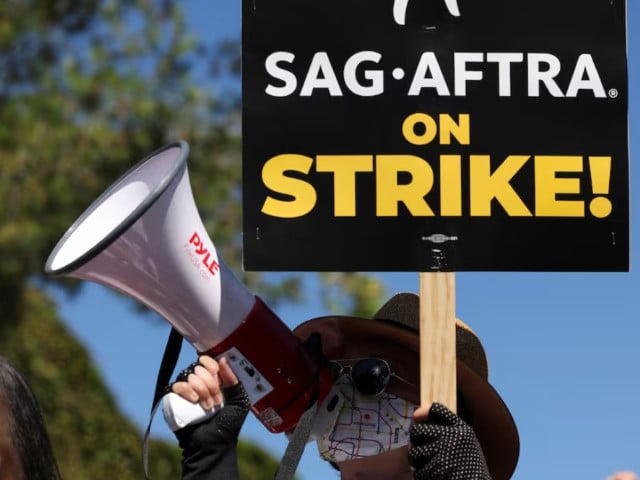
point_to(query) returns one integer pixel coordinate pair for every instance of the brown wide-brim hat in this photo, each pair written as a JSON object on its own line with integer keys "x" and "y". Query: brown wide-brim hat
{"x": 397, "y": 323}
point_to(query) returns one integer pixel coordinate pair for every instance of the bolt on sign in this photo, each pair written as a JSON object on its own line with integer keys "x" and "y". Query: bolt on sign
{"x": 435, "y": 135}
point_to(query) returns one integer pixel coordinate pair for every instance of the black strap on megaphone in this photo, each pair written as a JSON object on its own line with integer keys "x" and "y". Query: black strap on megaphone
{"x": 298, "y": 440}
{"x": 165, "y": 372}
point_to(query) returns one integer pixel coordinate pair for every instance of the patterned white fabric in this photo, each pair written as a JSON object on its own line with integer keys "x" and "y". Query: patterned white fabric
{"x": 366, "y": 425}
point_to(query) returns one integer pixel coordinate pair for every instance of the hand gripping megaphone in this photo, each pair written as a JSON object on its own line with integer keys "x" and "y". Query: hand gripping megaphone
{"x": 144, "y": 237}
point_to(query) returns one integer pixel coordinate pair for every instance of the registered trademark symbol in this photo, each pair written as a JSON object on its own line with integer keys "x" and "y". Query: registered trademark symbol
{"x": 613, "y": 93}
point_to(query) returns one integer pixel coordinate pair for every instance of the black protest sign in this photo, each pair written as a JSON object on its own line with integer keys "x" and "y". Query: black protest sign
{"x": 424, "y": 135}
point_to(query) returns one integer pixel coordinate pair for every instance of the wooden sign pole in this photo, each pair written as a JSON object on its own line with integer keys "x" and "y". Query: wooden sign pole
{"x": 438, "y": 339}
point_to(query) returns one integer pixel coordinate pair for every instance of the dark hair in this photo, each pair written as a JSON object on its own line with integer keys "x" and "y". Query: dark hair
{"x": 26, "y": 426}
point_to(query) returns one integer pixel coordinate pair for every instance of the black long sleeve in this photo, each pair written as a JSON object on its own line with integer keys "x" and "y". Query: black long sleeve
{"x": 209, "y": 449}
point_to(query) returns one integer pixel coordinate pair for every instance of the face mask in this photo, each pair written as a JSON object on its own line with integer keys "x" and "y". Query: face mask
{"x": 364, "y": 425}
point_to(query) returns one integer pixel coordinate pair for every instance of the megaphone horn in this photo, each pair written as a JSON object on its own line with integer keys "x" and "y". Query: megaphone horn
{"x": 144, "y": 237}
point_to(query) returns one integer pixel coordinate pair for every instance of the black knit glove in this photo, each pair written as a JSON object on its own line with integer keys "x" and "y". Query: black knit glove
{"x": 209, "y": 448}
{"x": 446, "y": 448}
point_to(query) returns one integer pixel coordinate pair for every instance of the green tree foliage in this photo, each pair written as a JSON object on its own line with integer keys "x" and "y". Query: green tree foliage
{"x": 91, "y": 439}
{"x": 87, "y": 89}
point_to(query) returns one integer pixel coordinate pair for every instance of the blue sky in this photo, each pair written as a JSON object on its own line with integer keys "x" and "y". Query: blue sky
{"x": 562, "y": 347}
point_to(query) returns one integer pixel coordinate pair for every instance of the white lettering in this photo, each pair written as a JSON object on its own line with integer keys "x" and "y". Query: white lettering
{"x": 320, "y": 75}
{"x": 462, "y": 75}
{"x": 504, "y": 61}
{"x": 542, "y": 72}
{"x": 585, "y": 67}
{"x": 537, "y": 75}
{"x": 375, "y": 77}
{"x": 428, "y": 64}
{"x": 289, "y": 79}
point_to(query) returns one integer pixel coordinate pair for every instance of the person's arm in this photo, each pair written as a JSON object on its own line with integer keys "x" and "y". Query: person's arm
{"x": 209, "y": 448}
{"x": 444, "y": 447}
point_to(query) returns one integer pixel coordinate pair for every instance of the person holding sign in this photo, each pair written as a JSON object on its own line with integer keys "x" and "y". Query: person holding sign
{"x": 371, "y": 425}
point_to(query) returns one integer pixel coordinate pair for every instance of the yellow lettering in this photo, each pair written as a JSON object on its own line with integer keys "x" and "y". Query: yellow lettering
{"x": 344, "y": 168}
{"x": 408, "y": 180}
{"x": 389, "y": 192}
{"x": 450, "y": 186}
{"x": 460, "y": 130}
{"x": 409, "y": 129}
{"x": 303, "y": 194}
{"x": 485, "y": 186}
{"x": 548, "y": 186}
{"x": 600, "y": 206}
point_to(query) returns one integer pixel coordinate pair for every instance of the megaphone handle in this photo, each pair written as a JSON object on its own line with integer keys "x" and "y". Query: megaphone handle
{"x": 179, "y": 412}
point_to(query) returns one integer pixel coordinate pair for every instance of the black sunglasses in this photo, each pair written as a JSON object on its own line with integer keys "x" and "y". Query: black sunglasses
{"x": 370, "y": 376}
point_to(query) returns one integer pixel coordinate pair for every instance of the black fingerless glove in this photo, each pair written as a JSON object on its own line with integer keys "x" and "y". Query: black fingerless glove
{"x": 209, "y": 448}
{"x": 446, "y": 448}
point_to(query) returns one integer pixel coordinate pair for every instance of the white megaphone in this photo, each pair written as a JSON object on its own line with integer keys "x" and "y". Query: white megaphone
{"x": 144, "y": 237}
